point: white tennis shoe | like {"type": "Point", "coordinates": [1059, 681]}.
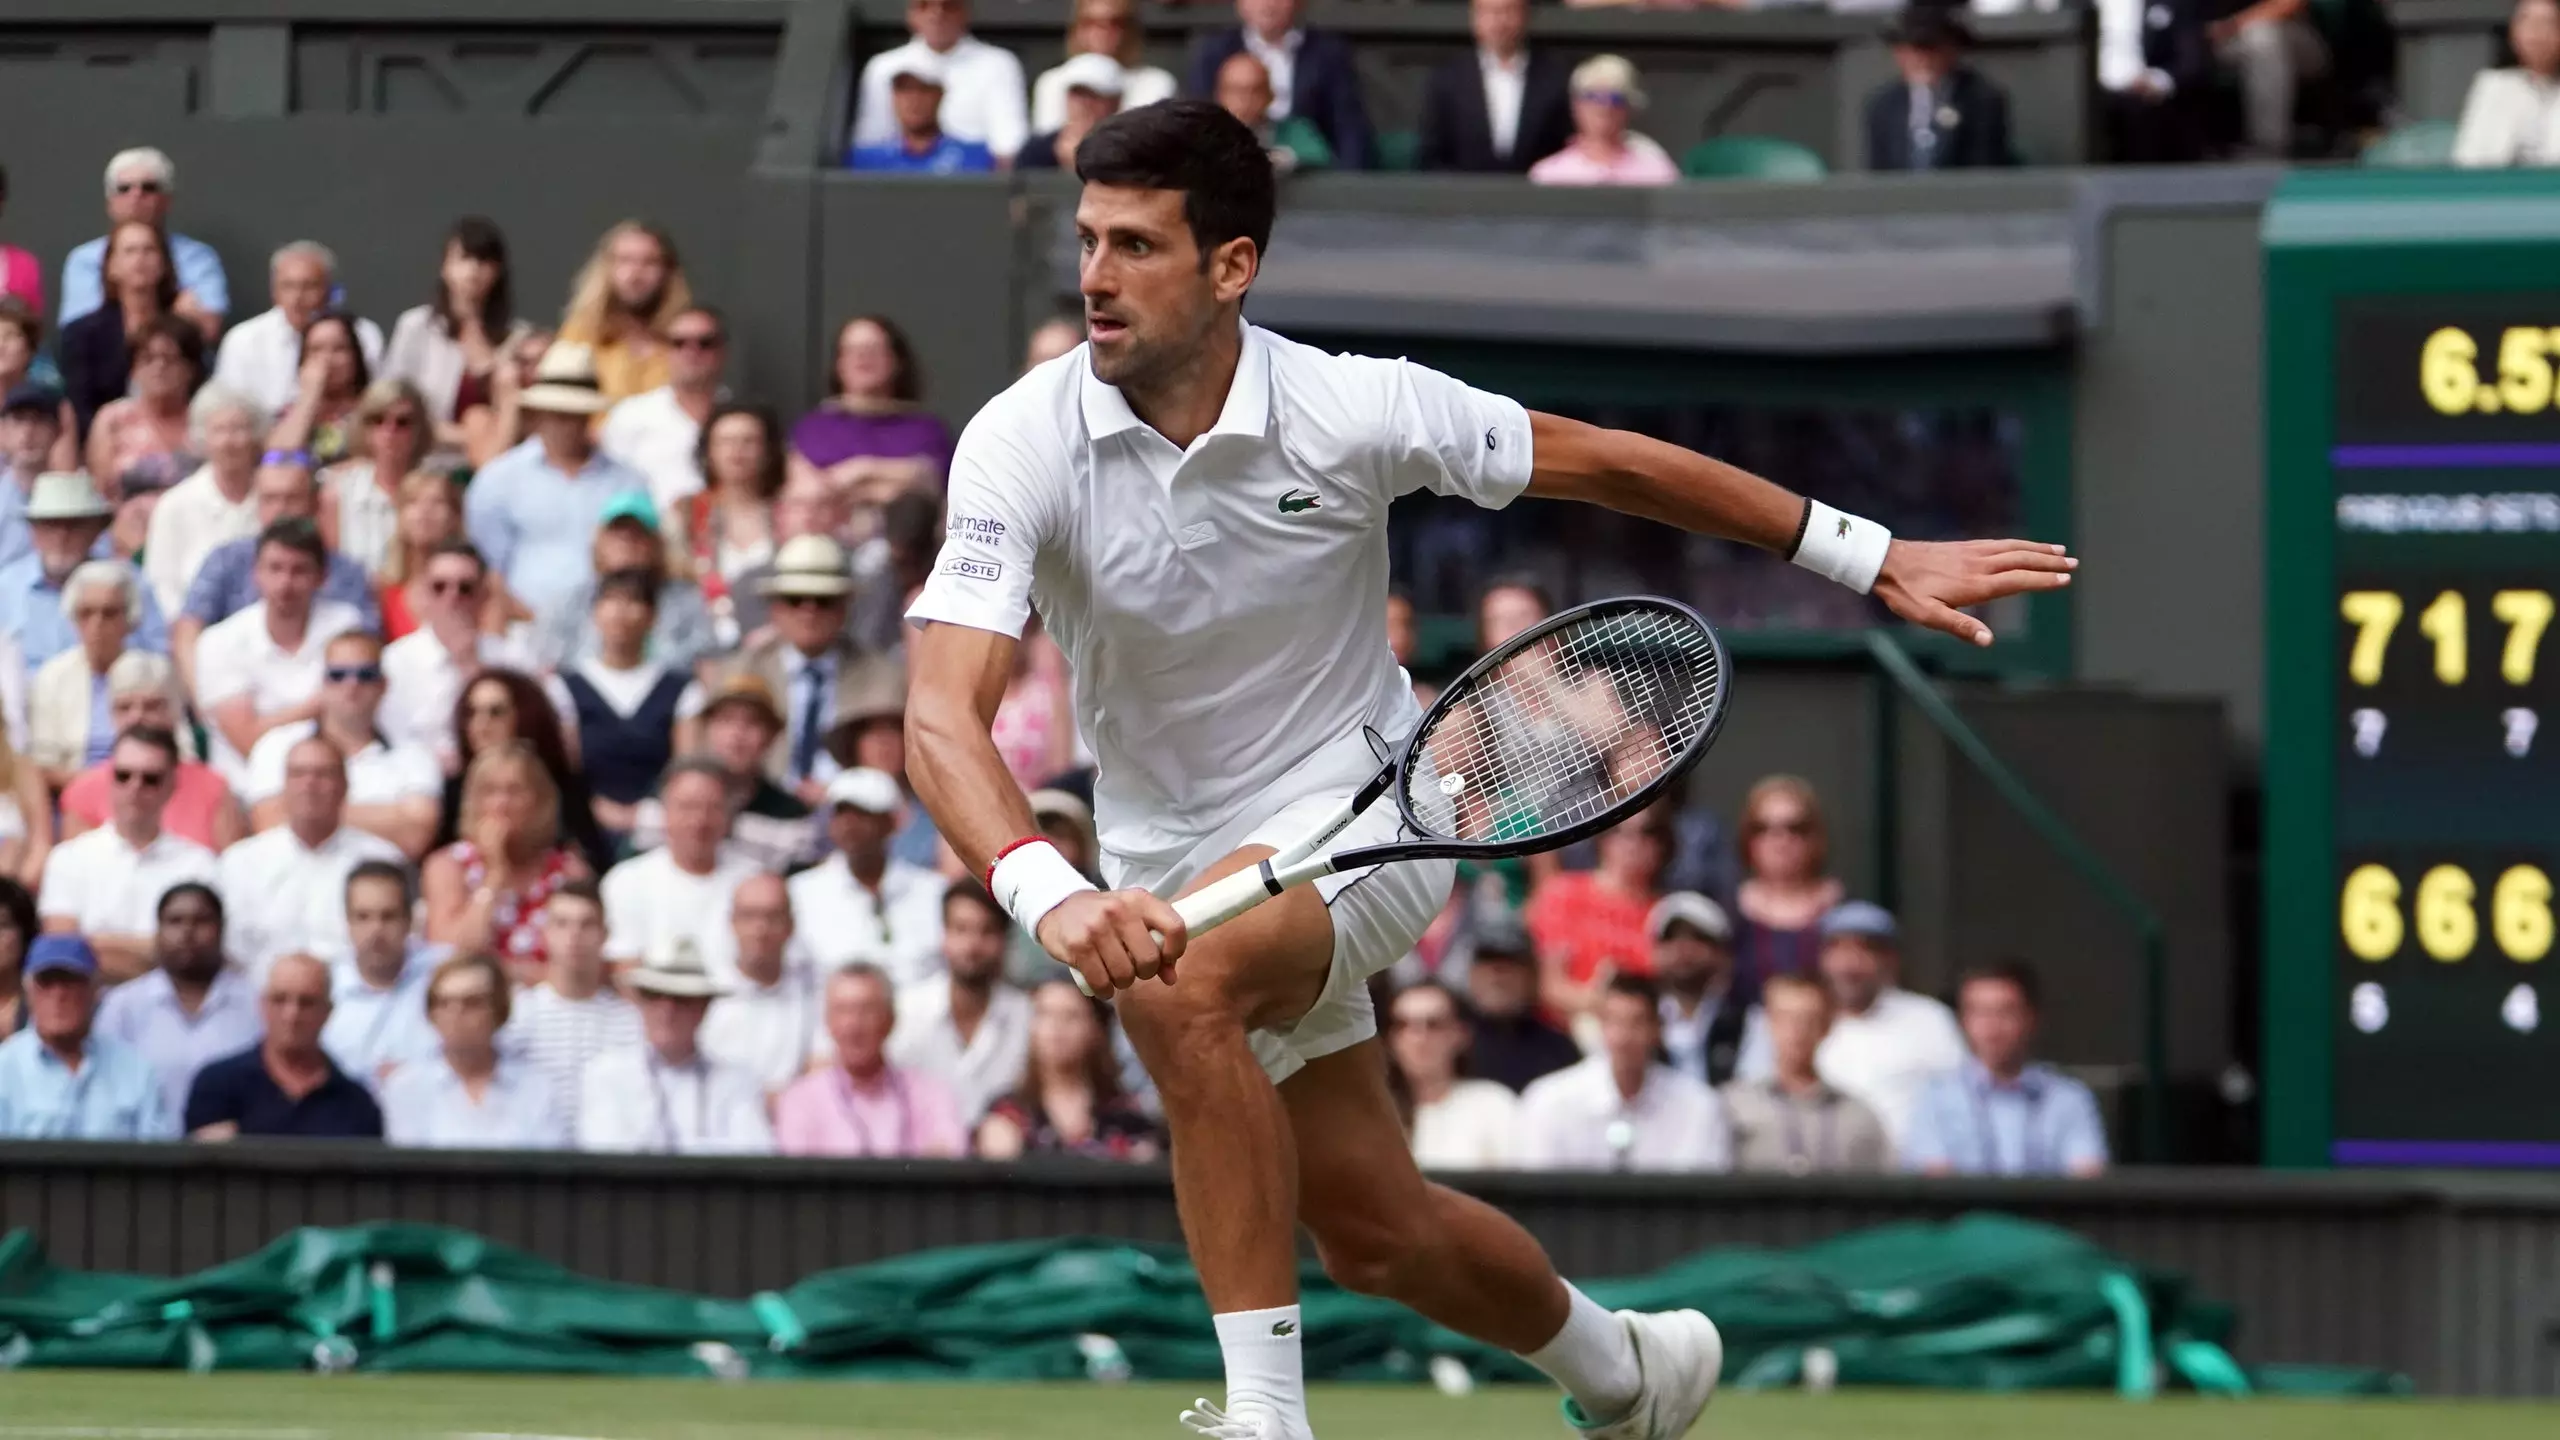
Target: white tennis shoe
{"type": "Point", "coordinates": [1206, 1419]}
{"type": "Point", "coordinates": [1681, 1356]}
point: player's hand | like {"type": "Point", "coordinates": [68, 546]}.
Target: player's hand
{"type": "Point", "coordinates": [1114, 938]}
{"type": "Point", "coordinates": [1928, 582]}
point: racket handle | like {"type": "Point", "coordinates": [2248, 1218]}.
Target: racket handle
{"type": "Point", "coordinates": [1220, 901]}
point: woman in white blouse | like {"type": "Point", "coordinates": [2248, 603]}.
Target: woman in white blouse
{"type": "Point", "coordinates": [1458, 1123]}
{"type": "Point", "coordinates": [471, 1097]}
{"type": "Point", "coordinates": [2512, 117]}
{"type": "Point", "coordinates": [453, 349]}
{"type": "Point", "coordinates": [360, 495]}
{"type": "Point", "coordinates": [1100, 27]}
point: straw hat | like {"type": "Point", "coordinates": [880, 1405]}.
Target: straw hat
{"type": "Point", "coordinates": [564, 383]}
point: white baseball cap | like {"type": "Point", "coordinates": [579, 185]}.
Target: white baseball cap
{"type": "Point", "coordinates": [915, 62]}
{"type": "Point", "coordinates": [1095, 72]}
{"type": "Point", "coordinates": [864, 788]}
{"type": "Point", "coordinates": [1688, 907]}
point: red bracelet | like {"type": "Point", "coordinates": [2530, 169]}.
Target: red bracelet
{"type": "Point", "coordinates": [1010, 847]}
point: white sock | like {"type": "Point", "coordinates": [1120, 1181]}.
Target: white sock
{"type": "Point", "coordinates": [1593, 1358]}
{"type": "Point", "coordinates": [1266, 1369]}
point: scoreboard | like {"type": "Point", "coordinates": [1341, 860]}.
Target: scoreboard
{"type": "Point", "coordinates": [2413, 742]}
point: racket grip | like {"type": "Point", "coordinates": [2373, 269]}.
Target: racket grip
{"type": "Point", "coordinates": [1220, 901]}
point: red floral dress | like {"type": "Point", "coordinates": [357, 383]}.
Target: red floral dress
{"type": "Point", "coordinates": [515, 922]}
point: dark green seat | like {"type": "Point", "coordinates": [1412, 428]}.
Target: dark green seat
{"type": "Point", "coordinates": [1751, 157]}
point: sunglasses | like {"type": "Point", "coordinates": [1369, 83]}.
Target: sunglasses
{"type": "Point", "coordinates": [697, 342]}
{"type": "Point", "coordinates": [145, 187]}
{"type": "Point", "coordinates": [1615, 100]}
{"type": "Point", "coordinates": [452, 587]}
{"type": "Point", "coordinates": [145, 778]}
{"type": "Point", "coordinates": [354, 674]}
{"type": "Point", "coordinates": [807, 602]}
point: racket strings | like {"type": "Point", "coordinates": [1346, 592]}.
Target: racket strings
{"type": "Point", "coordinates": [1567, 728]}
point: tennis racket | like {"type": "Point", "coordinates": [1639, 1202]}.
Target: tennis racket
{"type": "Point", "coordinates": [1561, 732]}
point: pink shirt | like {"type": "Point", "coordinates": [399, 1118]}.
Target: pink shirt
{"type": "Point", "coordinates": [193, 805]}
{"type": "Point", "coordinates": [904, 1114]}
{"type": "Point", "coordinates": [22, 277]}
{"type": "Point", "coordinates": [1641, 162]}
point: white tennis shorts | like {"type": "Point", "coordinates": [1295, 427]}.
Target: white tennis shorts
{"type": "Point", "coordinates": [1378, 916]}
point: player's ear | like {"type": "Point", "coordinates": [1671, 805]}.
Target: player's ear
{"type": "Point", "coordinates": [1232, 268]}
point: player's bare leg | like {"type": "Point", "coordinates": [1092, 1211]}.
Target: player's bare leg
{"type": "Point", "coordinates": [1382, 1229]}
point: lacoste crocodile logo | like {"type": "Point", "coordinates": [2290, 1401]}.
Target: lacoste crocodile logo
{"type": "Point", "coordinates": [1294, 502]}
{"type": "Point", "coordinates": [1284, 1328]}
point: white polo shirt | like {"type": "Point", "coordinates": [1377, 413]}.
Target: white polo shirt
{"type": "Point", "coordinates": [111, 888]}
{"type": "Point", "coordinates": [281, 896]}
{"type": "Point", "coordinates": [239, 657]}
{"type": "Point", "coordinates": [379, 774]}
{"type": "Point", "coordinates": [422, 681]}
{"type": "Point", "coordinates": [983, 97]}
{"type": "Point", "coordinates": [632, 1101]}
{"type": "Point", "coordinates": [261, 357]}
{"type": "Point", "coordinates": [979, 1072]}
{"type": "Point", "coordinates": [1575, 1119]}
{"type": "Point", "coordinates": [649, 899]}
{"type": "Point", "coordinates": [652, 433]}
{"type": "Point", "coordinates": [1218, 605]}
{"type": "Point", "coordinates": [1887, 1056]}
{"type": "Point", "coordinates": [899, 930]}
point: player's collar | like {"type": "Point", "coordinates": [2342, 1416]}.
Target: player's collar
{"type": "Point", "coordinates": [1247, 411]}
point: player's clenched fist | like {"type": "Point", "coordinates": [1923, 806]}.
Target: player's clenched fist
{"type": "Point", "coordinates": [1114, 938]}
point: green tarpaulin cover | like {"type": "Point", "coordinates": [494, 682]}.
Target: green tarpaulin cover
{"type": "Point", "coordinates": [1983, 1302]}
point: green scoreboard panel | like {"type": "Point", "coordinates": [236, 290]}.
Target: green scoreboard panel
{"type": "Point", "coordinates": [2413, 789]}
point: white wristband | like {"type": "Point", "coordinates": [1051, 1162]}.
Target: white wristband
{"type": "Point", "coordinates": [1842, 546]}
{"type": "Point", "coordinates": [1031, 881]}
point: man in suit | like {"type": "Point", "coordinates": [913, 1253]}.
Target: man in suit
{"type": "Point", "coordinates": [2154, 63]}
{"type": "Point", "coordinates": [1501, 109]}
{"type": "Point", "coordinates": [1941, 115]}
{"type": "Point", "coordinates": [1312, 75]}
{"type": "Point", "coordinates": [812, 664]}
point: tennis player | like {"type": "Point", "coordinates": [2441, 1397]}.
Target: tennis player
{"type": "Point", "coordinates": [1198, 510]}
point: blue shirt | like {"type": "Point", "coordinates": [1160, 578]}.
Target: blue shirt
{"type": "Point", "coordinates": [2043, 1124]}
{"type": "Point", "coordinates": [949, 156]}
{"type": "Point", "coordinates": [228, 584]}
{"type": "Point", "coordinates": [238, 1089]}
{"type": "Point", "coordinates": [31, 609]}
{"type": "Point", "coordinates": [144, 1015]}
{"type": "Point", "coordinates": [371, 1031]}
{"type": "Point", "coordinates": [17, 541]}
{"type": "Point", "coordinates": [537, 526]}
{"type": "Point", "coordinates": [114, 1097]}
{"type": "Point", "coordinates": [199, 270]}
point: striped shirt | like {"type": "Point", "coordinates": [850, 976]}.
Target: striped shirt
{"type": "Point", "coordinates": [557, 1036]}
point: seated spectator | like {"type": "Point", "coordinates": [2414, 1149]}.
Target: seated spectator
{"type": "Point", "coordinates": [264, 667]}
{"type": "Point", "coordinates": [472, 1096]}
{"type": "Point", "coordinates": [424, 672]}
{"type": "Point", "coordinates": [1707, 1020]}
{"type": "Point", "coordinates": [860, 1104]}
{"type": "Point", "coordinates": [1513, 1043]}
{"type": "Point", "coordinates": [625, 702]}
{"type": "Point", "coordinates": [534, 511]}
{"type": "Point", "coordinates": [727, 528]}
{"type": "Point", "coordinates": [140, 184]}
{"type": "Point", "coordinates": [227, 582]}
{"type": "Point", "coordinates": [107, 883]}
{"type": "Point", "coordinates": [622, 306]}
{"type": "Point", "coordinates": [100, 352]}
{"type": "Point", "coordinates": [1293, 142]}
{"type": "Point", "coordinates": [263, 357]}
{"type": "Point", "coordinates": [288, 883]}
{"type": "Point", "coordinates": [19, 928]}
{"type": "Point", "coordinates": [485, 892]}
{"type": "Point", "coordinates": [572, 1016]}
{"type": "Point", "coordinates": [501, 425]}
{"type": "Point", "coordinates": [982, 94]}
{"type": "Point", "coordinates": [1051, 339]}
{"type": "Point", "coordinates": [321, 427]}
{"type": "Point", "coordinates": [2512, 115]}
{"type": "Point", "coordinates": [1622, 1109]}
{"type": "Point", "coordinates": [1998, 1113]}
{"type": "Point", "coordinates": [871, 438]}
{"type": "Point", "coordinates": [360, 495]}
{"type": "Point", "coordinates": [431, 518]}
{"type": "Point", "coordinates": [143, 440]}
{"type": "Point", "coordinates": [1790, 1122]}
{"type": "Point", "coordinates": [2272, 46]}
{"type": "Point", "coordinates": [2155, 69]}
{"type": "Point", "coordinates": [964, 1025]}
{"type": "Point", "coordinates": [286, 1084]}
{"type": "Point", "coordinates": [1501, 108]}
{"type": "Point", "coordinates": [191, 1007]}
{"type": "Point", "coordinates": [35, 437]}
{"type": "Point", "coordinates": [215, 505]}
{"type": "Point", "coordinates": [1311, 72]}
{"type": "Point", "coordinates": [812, 658]}
{"type": "Point", "coordinates": [772, 1021]}
{"type": "Point", "coordinates": [378, 999]}
{"type": "Point", "coordinates": [680, 890]}
{"type": "Point", "coordinates": [1787, 887]}
{"type": "Point", "coordinates": [666, 1097]}
{"type": "Point", "coordinates": [1107, 28]}
{"type": "Point", "coordinates": [1942, 114]}
{"type": "Point", "coordinates": [65, 517]}
{"type": "Point", "coordinates": [627, 541]}
{"type": "Point", "coordinates": [453, 349]}
{"type": "Point", "coordinates": [1035, 723]}
{"type": "Point", "coordinates": [891, 569]}
{"type": "Point", "coordinates": [69, 715]}
{"type": "Point", "coordinates": [1069, 1101]}
{"type": "Point", "coordinates": [60, 1079]}
{"type": "Point", "coordinates": [393, 792]}
{"type": "Point", "coordinates": [1590, 924]}
{"type": "Point", "coordinates": [861, 904]}
{"type": "Point", "coordinates": [504, 707]}
{"type": "Point", "coordinates": [1886, 1043]}
{"type": "Point", "coordinates": [1094, 86]}
{"type": "Point", "coordinates": [142, 690]}
{"type": "Point", "coordinates": [806, 505]}
{"type": "Point", "coordinates": [1457, 1123]}
{"type": "Point", "coordinates": [769, 826]}
{"type": "Point", "coordinates": [21, 279]}
{"type": "Point", "coordinates": [659, 432]}
{"type": "Point", "coordinates": [26, 822]}
{"type": "Point", "coordinates": [138, 492]}
{"type": "Point", "coordinates": [1605, 148]}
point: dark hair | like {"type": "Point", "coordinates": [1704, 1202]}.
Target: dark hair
{"type": "Point", "coordinates": [456, 545]}
{"type": "Point", "coordinates": [183, 889]}
{"type": "Point", "coordinates": [911, 524]}
{"type": "Point", "coordinates": [1101, 1063]}
{"type": "Point", "coordinates": [537, 723]}
{"type": "Point", "coordinates": [583, 888]}
{"type": "Point", "coordinates": [397, 874]}
{"type": "Point", "coordinates": [768, 484]}
{"type": "Point", "coordinates": [168, 291]}
{"type": "Point", "coordinates": [19, 909]}
{"type": "Point", "coordinates": [2010, 971]}
{"type": "Point", "coordinates": [907, 384]}
{"type": "Point", "coordinates": [179, 332]}
{"type": "Point", "coordinates": [299, 534]}
{"type": "Point", "coordinates": [1384, 997]}
{"type": "Point", "coordinates": [1636, 987]}
{"type": "Point", "coordinates": [151, 737]}
{"type": "Point", "coordinates": [968, 891]}
{"type": "Point", "coordinates": [14, 311]}
{"type": "Point", "coordinates": [355, 342]}
{"type": "Point", "coordinates": [637, 585]}
{"type": "Point", "coordinates": [1196, 147]}
{"type": "Point", "coordinates": [478, 238]}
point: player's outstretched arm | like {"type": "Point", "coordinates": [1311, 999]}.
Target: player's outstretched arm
{"type": "Point", "coordinates": [1926, 582]}
{"type": "Point", "coordinates": [956, 680]}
